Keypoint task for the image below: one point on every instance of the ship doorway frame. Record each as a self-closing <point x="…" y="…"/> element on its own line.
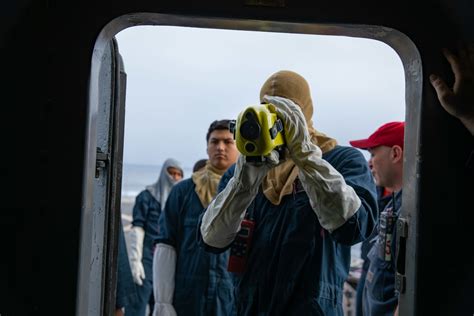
<point x="403" y="46"/>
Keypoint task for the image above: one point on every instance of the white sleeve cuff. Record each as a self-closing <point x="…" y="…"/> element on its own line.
<point x="162" y="309"/>
<point x="164" y="267"/>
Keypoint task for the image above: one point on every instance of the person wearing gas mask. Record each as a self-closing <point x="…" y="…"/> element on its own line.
<point x="186" y="279"/>
<point x="385" y="145"/>
<point x="146" y="211"/>
<point x="299" y="215"/>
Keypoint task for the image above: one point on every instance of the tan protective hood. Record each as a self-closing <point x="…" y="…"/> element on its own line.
<point x="206" y="181"/>
<point x="290" y="85"/>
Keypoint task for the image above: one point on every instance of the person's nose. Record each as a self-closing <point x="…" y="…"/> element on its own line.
<point x="220" y="146"/>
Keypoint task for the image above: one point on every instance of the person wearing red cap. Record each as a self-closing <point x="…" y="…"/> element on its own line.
<point x="386" y="163"/>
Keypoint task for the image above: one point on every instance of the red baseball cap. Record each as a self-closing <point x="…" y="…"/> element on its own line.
<point x="389" y="134"/>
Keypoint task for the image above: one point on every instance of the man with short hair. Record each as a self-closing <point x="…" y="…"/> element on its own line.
<point x="187" y="280"/>
<point x="386" y="163"/>
<point x="201" y="163"/>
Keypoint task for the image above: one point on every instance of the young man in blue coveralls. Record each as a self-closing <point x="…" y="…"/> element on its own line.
<point x="303" y="213"/>
<point x="186" y="279"/>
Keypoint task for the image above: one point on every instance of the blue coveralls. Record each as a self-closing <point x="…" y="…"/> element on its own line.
<point x="203" y="286"/>
<point x="380" y="297"/>
<point x="296" y="267"/>
<point x="146" y="212"/>
<point x="126" y="294"/>
<point x="365" y="248"/>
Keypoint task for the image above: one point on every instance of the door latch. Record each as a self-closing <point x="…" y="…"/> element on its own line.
<point x="402" y="234"/>
<point x="101" y="161"/>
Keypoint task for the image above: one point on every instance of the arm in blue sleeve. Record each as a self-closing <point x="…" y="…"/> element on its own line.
<point x="169" y="218"/>
<point x="356" y="173"/>
<point x="140" y="209"/>
<point x="225" y="178"/>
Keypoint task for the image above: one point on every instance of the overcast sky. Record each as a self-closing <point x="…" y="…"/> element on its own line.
<point x="181" y="79"/>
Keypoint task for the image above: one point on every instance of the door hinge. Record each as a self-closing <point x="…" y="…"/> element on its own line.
<point x="101" y="161"/>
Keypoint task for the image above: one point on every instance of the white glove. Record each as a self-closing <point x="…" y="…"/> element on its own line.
<point x="221" y="221"/>
<point x="164" y="267"/>
<point x="296" y="132"/>
<point x="249" y="175"/>
<point x="333" y="201"/>
<point x="137" y="234"/>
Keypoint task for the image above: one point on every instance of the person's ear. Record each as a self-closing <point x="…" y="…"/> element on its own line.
<point x="397" y="154"/>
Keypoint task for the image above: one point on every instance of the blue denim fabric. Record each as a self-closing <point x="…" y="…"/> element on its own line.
<point x="366" y="246"/>
<point x="126" y="294"/>
<point x="295" y="267"/>
<point x="146" y="212"/>
<point x="203" y="286"/>
<point x="360" y="290"/>
<point x="144" y="293"/>
<point x="380" y="296"/>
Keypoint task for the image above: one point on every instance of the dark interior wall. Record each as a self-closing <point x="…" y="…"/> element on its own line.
<point x="47" y="49"/>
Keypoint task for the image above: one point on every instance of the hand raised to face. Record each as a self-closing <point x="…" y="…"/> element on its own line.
<point x="458" y="100"/>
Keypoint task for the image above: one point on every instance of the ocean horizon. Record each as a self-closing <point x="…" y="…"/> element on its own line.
<point x="135" y="178"/>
